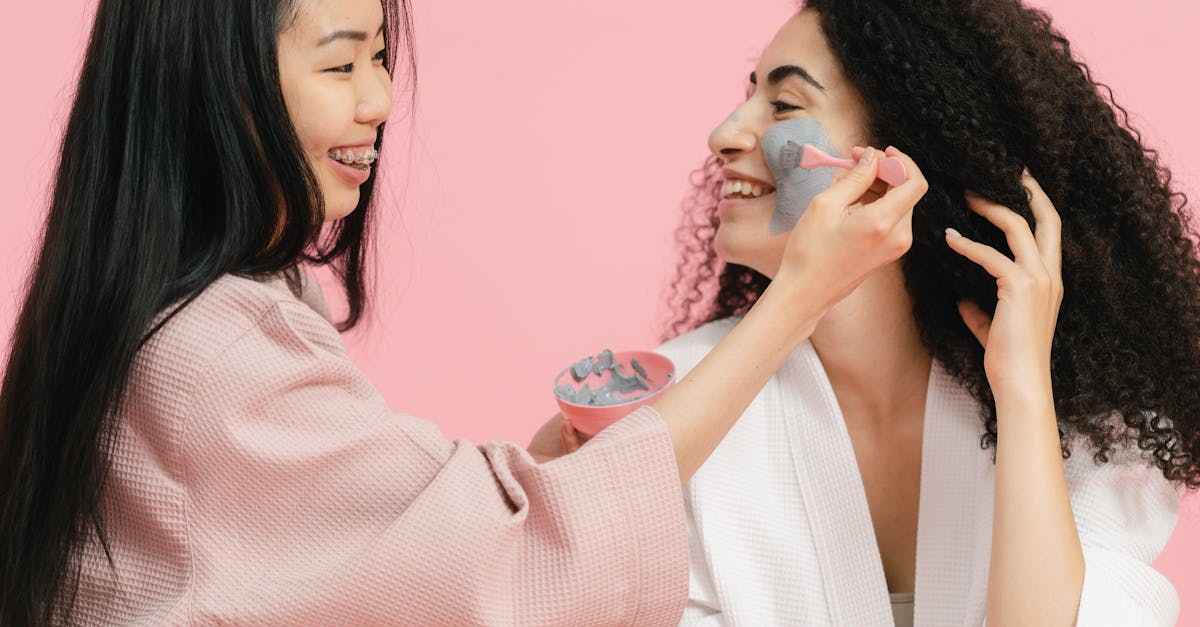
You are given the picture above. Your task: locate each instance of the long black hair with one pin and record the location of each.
(178, 165)
(973, 90)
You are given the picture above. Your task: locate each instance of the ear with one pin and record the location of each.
(976, 320)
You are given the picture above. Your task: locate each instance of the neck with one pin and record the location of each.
(871, 350)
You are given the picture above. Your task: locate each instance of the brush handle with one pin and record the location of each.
(891, 169)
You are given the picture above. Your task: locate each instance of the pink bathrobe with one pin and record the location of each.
(258, 478)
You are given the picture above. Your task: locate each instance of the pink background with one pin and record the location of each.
(543, 129)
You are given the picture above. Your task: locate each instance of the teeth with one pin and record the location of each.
(349, 158)
(745, 189)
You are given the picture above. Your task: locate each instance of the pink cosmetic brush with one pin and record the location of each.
(891, 169)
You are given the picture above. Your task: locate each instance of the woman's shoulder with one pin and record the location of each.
(172, 370)
(226, 307)
(231, 309)
(238, 301)
(686, 350)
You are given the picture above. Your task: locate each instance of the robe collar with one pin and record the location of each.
(954, 519)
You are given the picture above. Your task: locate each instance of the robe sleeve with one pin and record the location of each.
(1125, 512)
(309, 502)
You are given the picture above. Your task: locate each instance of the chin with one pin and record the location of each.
(336, 209)
(743, 250)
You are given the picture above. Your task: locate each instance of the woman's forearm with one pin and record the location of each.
(705, 404)
(1036, 572)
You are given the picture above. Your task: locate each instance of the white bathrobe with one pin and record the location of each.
(780, 532)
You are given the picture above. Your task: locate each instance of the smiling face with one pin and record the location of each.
(797, 77)
(337, 92)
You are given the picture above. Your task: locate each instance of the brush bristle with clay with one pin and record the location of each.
(891, 169)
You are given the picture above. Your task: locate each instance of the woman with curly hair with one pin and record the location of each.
(1001, 423)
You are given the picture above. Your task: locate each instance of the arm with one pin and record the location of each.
(847, 232)
(1071, 543)
(706, 403)
(1125, 511)
(1074, 542)
(1037, 562)
(309, 502)
(1036, 568)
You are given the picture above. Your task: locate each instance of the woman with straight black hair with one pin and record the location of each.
(183, 438)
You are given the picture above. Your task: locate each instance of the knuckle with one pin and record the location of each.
(879, 229)
(1022, 283)
(1008, 221)
(821, 202)
(1047, 217)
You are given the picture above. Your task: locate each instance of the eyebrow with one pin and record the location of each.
(356, 35)
(778, 74)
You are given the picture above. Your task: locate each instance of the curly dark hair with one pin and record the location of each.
(974, 90)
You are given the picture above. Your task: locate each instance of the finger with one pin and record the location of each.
(989, 258)
(564, 429)
(976, 320)
(857, 152)
(880, 184)
(878, 188)
(849, 188)
(1049, 225)
(1016, 229)
(900, 200)
(570, 438)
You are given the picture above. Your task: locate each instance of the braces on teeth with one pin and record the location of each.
(358, 161)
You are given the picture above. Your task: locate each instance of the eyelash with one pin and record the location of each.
(789, 107)
(349, 67)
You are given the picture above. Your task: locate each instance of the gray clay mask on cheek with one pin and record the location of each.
(795, 187)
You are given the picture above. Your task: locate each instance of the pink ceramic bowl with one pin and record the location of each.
(592, 419)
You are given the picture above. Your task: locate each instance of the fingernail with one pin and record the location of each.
(952, 232)
(867, 157)
(1025, 172)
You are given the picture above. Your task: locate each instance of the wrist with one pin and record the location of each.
(1032, 386)
(1030, 402)
(787, 307)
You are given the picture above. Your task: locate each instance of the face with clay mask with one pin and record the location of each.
(797, 95)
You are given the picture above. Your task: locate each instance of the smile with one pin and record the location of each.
(359, 162)
(735, 188)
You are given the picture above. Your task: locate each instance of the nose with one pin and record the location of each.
(732, 137)
(374, 98)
